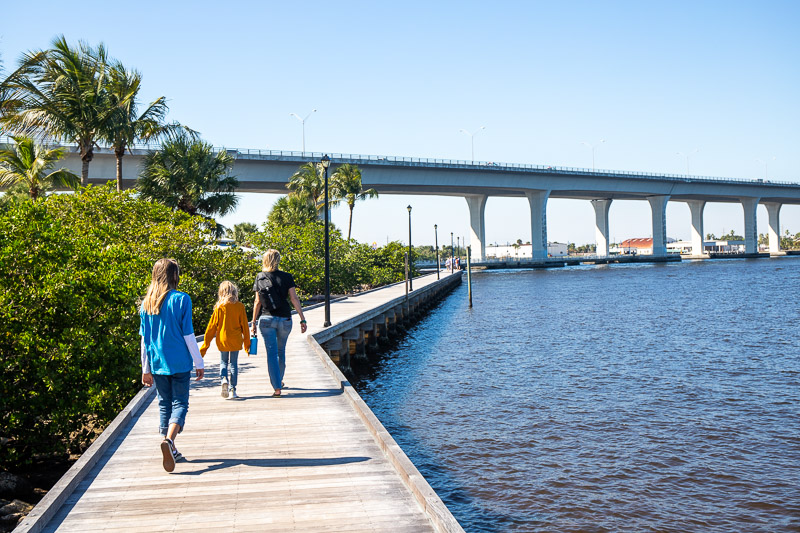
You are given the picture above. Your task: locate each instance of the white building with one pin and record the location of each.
(715, 246)
(523, 251)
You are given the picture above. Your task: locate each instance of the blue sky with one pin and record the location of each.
(651, 79)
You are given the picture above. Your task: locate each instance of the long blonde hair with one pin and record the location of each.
(228, 293)
(271, 260)
(165, 279)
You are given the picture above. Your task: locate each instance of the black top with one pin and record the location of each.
(280, 282)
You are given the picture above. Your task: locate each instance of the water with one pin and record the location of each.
(609, 398)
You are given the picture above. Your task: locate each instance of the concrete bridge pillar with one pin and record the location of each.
(774, 213)
(749, 205)
(601, 208)
(477, 225)
(698, 236)
(658, 206)
(538, 203)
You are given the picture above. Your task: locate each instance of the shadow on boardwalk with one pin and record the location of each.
(217, 464)
(291, 392)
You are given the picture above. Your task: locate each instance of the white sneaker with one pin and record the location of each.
(233, 394)
(224, 388)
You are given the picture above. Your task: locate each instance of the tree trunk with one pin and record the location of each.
(34, 192)
(119, 154)
(87, 154)
(84, 172)
(350, 225)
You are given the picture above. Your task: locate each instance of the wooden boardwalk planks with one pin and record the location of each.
(302, 462)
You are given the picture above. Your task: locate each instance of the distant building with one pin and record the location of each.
(714, 246)
(523, 251)
(637, 246)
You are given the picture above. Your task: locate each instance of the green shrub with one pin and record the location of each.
(73, 269)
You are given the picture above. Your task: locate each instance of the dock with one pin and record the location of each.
(314, 459)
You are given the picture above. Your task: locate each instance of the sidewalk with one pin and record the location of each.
(301, 462)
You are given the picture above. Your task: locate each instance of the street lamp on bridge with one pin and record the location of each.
(766, 175)
(687, 158)
(593, 147)
(472, 139)
(303, 122)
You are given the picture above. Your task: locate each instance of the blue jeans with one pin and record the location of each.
(229, 359)
(275, 332)
(173, 399)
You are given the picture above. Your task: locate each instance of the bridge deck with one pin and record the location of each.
(303, 462)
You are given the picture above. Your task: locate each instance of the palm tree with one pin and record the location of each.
(291, 211)
(347, 185)
(125, 126)
(28, 163)
(242, 233)
(186, 174)
(60, 93)
(308, 184)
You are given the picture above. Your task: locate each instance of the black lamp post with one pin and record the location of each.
(326, 161)
(410, 264)
(436, 234)
(452, 251)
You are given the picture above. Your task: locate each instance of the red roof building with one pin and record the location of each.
(637, 245)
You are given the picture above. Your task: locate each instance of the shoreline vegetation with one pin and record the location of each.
(73, 267)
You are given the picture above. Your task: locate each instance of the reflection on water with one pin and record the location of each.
(608, 398)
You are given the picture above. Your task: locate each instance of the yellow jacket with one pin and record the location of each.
(229, 325)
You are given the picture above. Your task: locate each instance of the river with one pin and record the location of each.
(658, 397)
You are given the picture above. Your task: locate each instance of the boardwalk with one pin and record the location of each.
(302, 462)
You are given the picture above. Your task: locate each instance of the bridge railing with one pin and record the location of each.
(339, 158)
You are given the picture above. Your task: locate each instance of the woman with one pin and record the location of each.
(273, 316)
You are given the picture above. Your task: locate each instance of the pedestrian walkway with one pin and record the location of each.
(302, 462)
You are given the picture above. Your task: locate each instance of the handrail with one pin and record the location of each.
(339, 158)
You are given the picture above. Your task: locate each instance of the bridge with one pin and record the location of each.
(268, 171)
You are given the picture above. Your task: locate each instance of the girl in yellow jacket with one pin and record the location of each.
(229, 325)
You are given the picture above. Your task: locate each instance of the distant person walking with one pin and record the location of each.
(458, 263)
(448, 264)
(273, 316)
(169, 350)
(229, 325)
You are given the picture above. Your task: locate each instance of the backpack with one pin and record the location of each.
(268, 293)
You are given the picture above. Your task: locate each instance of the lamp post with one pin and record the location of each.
(593, 147)
(326, 161)
(766, 176)
(452, 251)
(436, 242)
(458, 246)
(410, 264)
(687, 158)
(472, 139)
(303, 122)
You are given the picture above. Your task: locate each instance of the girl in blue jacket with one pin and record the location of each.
(169, 350)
